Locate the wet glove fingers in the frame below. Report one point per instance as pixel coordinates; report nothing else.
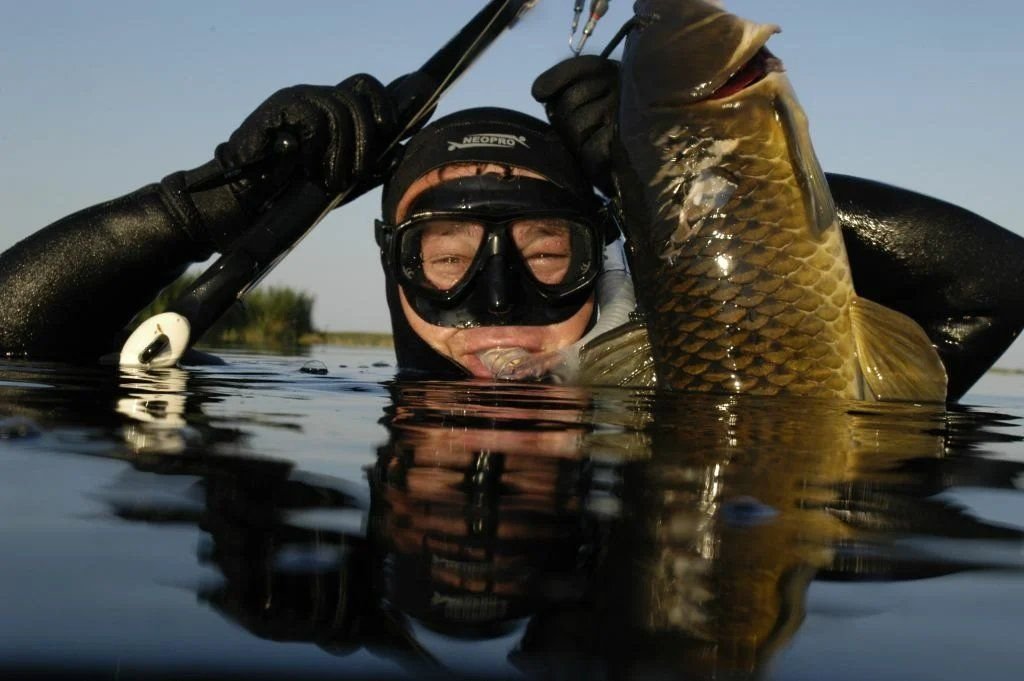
(590, 137)
(372, 119)
(349, 143)
(582, 107)
(580, 97)
(587, 72)
(299, 111)
(593, 144)
(377, 101)
(340, 132)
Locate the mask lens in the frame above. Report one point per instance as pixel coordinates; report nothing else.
(547, 247)
(439, 253)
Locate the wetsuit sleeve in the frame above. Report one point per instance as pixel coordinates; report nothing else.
(957, 274)
(67, 291)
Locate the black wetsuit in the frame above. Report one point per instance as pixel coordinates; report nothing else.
(960, 276)
(67, 291)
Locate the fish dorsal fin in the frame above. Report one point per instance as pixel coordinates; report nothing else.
(620, 357)
(897, 359)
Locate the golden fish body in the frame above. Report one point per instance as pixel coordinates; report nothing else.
(733, 237)
(749, 283)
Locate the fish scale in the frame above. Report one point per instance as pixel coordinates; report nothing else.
(737, 257)
(748, 297)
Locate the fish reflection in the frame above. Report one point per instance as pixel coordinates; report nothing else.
(733, 514)
(606, 532)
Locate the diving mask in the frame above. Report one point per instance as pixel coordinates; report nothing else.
(490, 250)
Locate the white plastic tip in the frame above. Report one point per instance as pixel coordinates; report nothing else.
(160, 341)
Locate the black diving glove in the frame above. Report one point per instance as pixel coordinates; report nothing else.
(341, 133)
(581, 98)
(336, 135)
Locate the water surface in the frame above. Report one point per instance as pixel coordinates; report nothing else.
(254, 520)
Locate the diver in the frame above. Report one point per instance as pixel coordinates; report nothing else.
(492, 236)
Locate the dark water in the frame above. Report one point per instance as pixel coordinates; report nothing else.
(255, 521)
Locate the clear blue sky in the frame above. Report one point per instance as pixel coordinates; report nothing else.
(97, 99)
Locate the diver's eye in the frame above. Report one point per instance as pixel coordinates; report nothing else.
(445, 271)
(447, 249)
(546, 247)
(548, 268)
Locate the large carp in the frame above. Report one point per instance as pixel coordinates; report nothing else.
(733, 238)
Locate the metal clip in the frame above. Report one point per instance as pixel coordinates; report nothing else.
(577, 12)
(598, 8)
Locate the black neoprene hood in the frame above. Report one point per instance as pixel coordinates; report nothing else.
(486, 135)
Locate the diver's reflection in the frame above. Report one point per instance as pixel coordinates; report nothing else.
(477, 524)
(612, 533)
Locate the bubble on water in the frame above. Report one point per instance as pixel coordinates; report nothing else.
(314, 366)
(381, 364)
(18, 427)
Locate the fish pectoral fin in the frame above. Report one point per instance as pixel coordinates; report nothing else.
(619, 357)
(897, 359)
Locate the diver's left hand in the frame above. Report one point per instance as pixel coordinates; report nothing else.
(581, 98)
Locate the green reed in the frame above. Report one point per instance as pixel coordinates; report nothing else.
(269, 315)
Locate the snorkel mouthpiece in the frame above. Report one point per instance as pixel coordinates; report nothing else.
(519, 364)
(503, 362)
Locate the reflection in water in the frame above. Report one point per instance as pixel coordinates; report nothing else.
(610, 532)
(155, 403)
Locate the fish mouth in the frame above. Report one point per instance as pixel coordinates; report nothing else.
(753, 72)
(680, 52)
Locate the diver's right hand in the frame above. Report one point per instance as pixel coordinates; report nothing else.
(341, 132)
(581, 98)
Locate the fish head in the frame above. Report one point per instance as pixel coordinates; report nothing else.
(710, 51)
(701, 90)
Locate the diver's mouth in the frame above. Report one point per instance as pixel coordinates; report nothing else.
(755, 70)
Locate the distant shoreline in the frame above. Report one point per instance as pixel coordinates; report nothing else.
(369, 339)
(363, 339)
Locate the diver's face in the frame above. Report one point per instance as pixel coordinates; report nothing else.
(464, 344)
